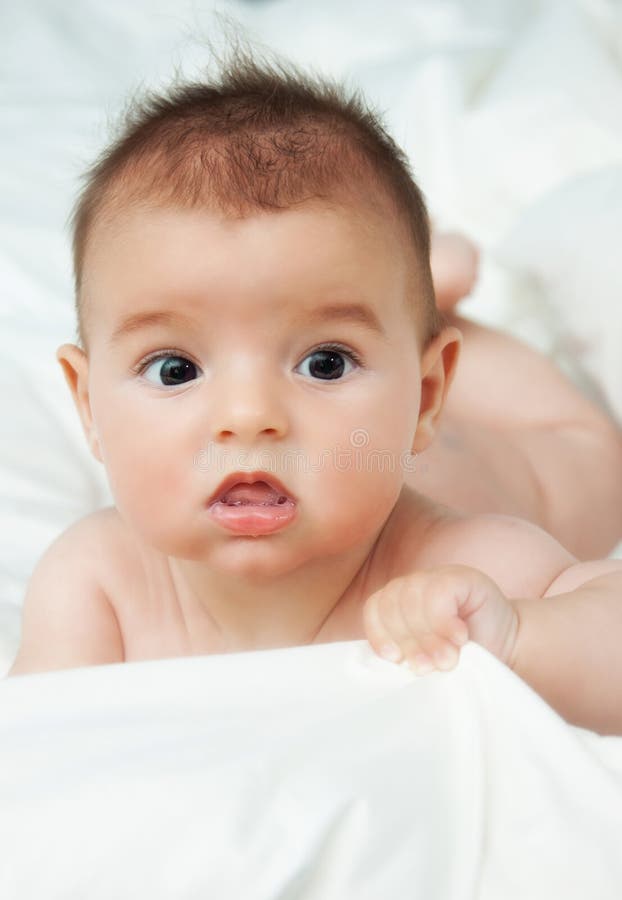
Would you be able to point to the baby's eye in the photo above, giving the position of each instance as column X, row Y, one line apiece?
column 169, row 371
column 328, row 363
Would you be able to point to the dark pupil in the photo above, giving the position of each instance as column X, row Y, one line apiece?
column 175, row 371
column 326, row 364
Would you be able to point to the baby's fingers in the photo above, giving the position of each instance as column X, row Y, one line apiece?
column 384, row 626
column 405, row 623
column 439, row 635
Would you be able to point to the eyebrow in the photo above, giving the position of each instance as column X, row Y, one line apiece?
column 138, row 321
column 358, row 313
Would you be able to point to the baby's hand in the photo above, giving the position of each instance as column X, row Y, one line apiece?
column 424, row 618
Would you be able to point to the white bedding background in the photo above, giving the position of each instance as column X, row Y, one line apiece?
column 314, row 772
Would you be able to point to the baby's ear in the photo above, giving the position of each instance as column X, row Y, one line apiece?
column 75, row 365
column 438, row 366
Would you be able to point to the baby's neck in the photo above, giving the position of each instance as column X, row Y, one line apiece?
column 319, row 602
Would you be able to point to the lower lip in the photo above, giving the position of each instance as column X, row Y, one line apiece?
column 252, row 519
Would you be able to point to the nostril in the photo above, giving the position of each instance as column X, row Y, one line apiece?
column 227, row 433
column 248, row 425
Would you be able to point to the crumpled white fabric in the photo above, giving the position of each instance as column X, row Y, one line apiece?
column 308, row 773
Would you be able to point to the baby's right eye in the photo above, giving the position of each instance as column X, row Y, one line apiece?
column 169, row 371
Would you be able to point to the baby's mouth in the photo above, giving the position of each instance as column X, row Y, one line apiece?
column 251, row 505
column 251, row 489
column 259, row 493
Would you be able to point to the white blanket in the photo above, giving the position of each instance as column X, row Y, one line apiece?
column 320, row 773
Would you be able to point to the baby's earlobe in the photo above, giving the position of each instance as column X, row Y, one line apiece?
column 426, row 429
column 94, row 444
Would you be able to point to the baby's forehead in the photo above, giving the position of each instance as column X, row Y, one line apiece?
column 372, row 211
column 368, row 218
column 162, row 256
column 343, row 226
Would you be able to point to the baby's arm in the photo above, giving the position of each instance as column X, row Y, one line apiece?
column 67, row 620
column 561, row 635
column 568, row 645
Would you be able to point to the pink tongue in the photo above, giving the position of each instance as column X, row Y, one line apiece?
column 259, row 492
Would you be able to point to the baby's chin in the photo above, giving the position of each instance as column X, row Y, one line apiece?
column 255, row 558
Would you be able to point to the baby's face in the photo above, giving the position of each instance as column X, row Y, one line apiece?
column 281, row 343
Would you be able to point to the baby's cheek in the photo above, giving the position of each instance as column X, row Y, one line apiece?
column 145, row 478
column 356, row 499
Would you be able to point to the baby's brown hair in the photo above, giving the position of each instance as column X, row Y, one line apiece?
column 261, row 135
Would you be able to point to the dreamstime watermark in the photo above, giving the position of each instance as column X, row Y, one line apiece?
column 357, row 457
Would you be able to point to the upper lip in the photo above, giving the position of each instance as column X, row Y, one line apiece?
column 249, row 478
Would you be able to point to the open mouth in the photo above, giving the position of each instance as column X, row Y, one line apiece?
column 259, row 493
column 252, row 503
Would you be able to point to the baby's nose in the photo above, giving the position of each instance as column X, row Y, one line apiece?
column 247, row 409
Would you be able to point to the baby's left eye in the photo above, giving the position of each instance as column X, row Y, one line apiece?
column 170, row 371
column 328, row 363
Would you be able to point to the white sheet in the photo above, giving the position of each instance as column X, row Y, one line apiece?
column 320, row 773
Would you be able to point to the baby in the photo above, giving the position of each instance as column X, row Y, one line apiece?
column 261, row 361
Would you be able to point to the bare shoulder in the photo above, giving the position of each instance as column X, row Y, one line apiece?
column 103, row 531
column 103, row 544
column 93, row 528
column 68, row 620
column 521, row 557
column 84, row 547
column 90, row 548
